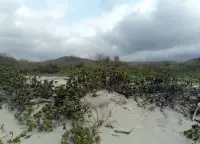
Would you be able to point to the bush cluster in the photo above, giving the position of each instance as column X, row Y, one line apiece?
column 25, row 93
column 64, row 101
column 193, row 133
column 111, row 79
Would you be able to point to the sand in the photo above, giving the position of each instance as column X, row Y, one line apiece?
column 148, row 126
column 119, row 115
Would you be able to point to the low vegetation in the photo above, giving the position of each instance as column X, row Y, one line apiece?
column 25, row 93
column 193, row 133
column 59, row 103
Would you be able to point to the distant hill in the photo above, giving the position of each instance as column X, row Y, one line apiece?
column 7, row 60
column 150, row 65
column 53, row 65
column 70, row 62
column 67, row 61
column 195, row 60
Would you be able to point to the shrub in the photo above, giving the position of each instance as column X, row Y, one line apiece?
column 193, row 133
column 111, row 79
column 161, row 88
column 79, row 134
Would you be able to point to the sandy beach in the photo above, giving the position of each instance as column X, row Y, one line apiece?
column 124, row 122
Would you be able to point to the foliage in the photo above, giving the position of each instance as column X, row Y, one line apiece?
column 15, row 140
column 18, row 138
column 79, row 134
column 165, row 90
column 64, row 102
column 1, row 141
column 193, row 133
column 49, row 68
column 41, row 89
column 7, row 60
column 111, row 79
column 21, row 90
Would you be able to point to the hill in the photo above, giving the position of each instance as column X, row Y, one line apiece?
column 194, row 60
column 70, row 62
column 48, row 66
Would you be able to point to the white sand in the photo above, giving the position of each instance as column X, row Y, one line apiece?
column 148, row 126
column 11, row 124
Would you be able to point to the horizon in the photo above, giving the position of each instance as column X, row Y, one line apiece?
column 93, row 59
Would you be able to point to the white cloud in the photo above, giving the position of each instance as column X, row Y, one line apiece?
column 146, row 30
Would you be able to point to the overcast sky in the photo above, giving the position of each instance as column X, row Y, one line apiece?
column 136, row 30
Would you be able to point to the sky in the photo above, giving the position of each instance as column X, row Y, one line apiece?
column 135, row 30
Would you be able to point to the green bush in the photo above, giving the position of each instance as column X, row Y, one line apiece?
column 193, row 133
column 160, row 88
column 111, row 79
column 79, row 134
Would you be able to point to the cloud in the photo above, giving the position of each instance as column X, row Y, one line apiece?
column 171, row 26
column 147, row 30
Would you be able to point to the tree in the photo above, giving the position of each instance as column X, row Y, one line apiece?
column 99, row 57
column 102, row 59
column 79, row 65
column 116, row 60
column 106, row 59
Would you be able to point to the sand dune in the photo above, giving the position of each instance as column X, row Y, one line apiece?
column 124, row 122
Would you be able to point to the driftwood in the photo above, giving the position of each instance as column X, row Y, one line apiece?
column 124, row 132
column 197, row 120
column 195, row 113
column 115, row 135
column 109, row 125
